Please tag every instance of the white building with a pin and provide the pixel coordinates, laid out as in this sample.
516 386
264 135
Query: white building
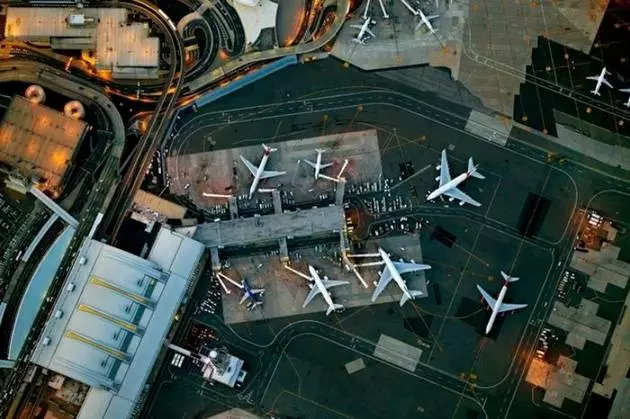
111 317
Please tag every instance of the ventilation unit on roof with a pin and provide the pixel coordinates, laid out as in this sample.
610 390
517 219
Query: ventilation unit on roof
74 109
35 93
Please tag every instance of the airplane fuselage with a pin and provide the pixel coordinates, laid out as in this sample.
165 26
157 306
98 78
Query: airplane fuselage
322 289
449 185
363 29
600 80
247 290
259 172
495 309
318 164
427 22
394 272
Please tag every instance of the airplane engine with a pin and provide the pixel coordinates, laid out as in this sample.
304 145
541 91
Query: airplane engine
451 199
438 167
461 203
437 179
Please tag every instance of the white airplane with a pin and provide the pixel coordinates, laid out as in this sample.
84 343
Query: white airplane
260 172
448 186
600 79
320 286
364 31
426 20
626 91
498 306
394 270
318 166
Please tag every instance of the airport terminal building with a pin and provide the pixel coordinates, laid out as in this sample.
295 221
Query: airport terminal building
111 318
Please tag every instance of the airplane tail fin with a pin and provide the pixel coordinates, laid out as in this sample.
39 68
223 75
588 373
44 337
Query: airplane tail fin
472 169
413 293
252 306
320 150
595 92
508 278
333 308
269 149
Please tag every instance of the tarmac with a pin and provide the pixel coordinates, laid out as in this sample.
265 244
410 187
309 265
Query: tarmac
310 381
223 172
285 291
448 325
398 43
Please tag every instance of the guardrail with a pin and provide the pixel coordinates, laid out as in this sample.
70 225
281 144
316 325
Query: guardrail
244 81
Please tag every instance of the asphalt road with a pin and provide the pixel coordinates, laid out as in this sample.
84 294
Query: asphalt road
95 200
162 115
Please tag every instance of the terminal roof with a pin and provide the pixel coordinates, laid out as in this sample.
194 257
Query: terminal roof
39 140
111 317
270 228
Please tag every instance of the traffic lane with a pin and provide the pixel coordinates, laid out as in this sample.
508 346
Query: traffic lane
324 331
493 253
325 362
323 100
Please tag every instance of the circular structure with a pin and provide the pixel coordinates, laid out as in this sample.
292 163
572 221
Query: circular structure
214 354
35 93
74 109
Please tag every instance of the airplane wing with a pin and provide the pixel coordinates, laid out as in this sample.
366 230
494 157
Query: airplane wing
311 295
386 276
432 17
491 301
593 78
325 165
459 195
445 173
244 298
249 165
606 82
330 283
356 26
310 163
511 307
404 268
257 291
370 32
270 173
625 90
